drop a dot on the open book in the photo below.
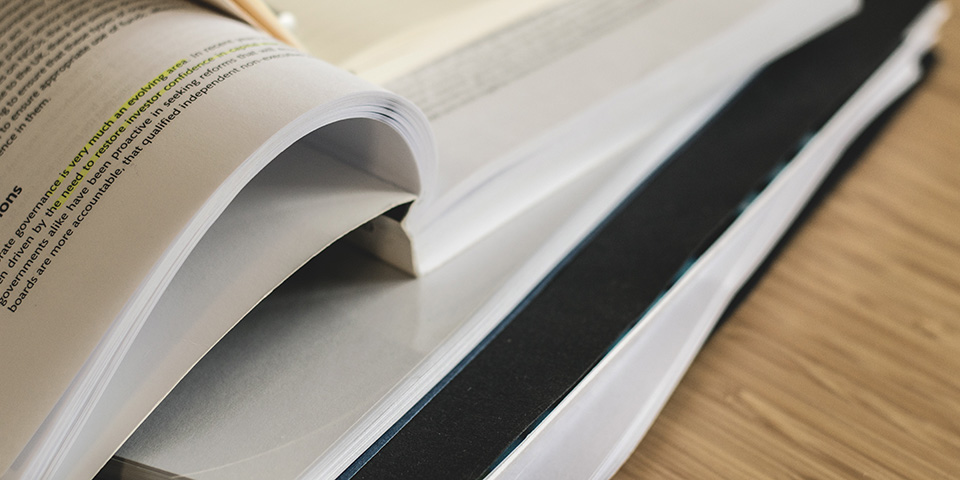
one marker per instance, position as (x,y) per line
(164,167)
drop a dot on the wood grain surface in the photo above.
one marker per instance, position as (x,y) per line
(844,361)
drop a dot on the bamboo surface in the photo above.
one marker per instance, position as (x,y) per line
(844,361)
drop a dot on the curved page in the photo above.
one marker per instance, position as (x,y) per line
(534,103)
(527,96)
(126,128)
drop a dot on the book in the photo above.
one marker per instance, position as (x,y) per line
(556,390)
(168,167)
(590,431)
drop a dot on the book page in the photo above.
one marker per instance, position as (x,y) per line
(379,40)
(496,101)
(526,96)
(126,127)
(211,291)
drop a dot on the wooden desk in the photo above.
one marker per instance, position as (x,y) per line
(844,362)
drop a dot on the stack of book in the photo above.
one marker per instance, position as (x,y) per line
(530,215)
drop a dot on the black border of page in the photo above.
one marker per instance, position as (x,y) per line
(496,397)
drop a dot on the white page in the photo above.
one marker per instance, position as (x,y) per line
(510,83)
(557,90)
(303,194)
(380,39)
(201,80)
